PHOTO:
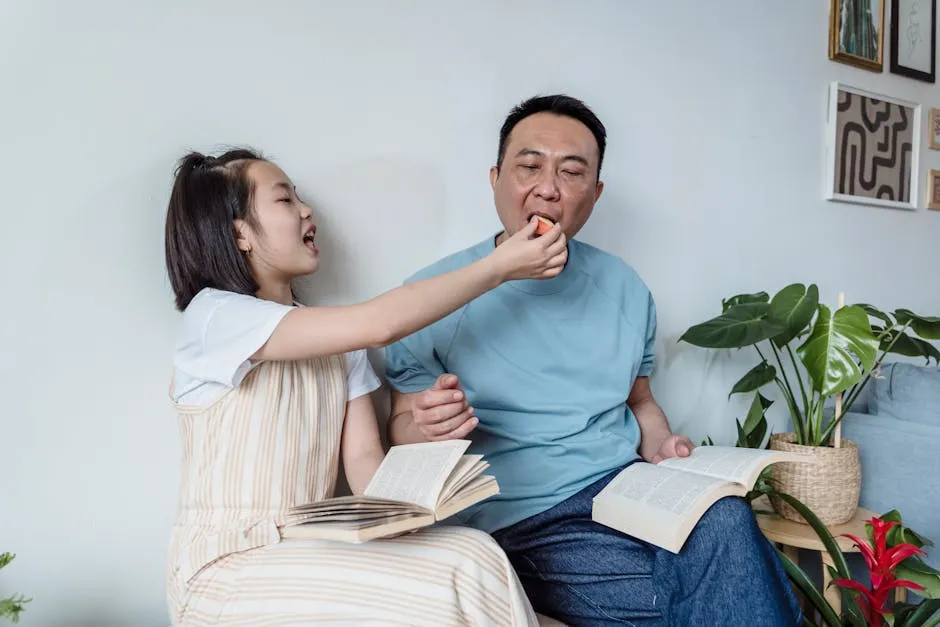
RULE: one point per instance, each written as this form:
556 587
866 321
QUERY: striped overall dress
274 442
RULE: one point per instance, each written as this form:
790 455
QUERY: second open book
415 486
661 503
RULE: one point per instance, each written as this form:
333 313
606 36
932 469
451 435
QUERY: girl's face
279 241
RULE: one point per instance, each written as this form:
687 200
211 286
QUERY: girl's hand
527 256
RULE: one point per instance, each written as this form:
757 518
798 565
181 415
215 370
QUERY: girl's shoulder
213 304
210 298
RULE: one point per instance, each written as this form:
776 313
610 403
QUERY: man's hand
672 445
441 412
657 441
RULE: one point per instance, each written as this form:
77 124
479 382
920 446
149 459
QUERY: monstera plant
837 350
812 353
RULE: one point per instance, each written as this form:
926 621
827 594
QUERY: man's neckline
569 274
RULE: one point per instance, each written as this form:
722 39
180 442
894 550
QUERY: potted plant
892 557
10 608
814 354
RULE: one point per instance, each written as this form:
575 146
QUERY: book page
731 463
479 489
349 503
657 504
356 516
663 488
469 467
357 531
416 473
346 509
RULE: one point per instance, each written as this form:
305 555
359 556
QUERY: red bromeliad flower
881 562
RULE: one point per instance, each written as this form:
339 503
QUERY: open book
661 503
415 486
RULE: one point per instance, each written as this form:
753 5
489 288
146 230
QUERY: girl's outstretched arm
308 332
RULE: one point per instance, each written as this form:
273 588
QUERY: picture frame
933 189
872 148
856 33
933 129
914 39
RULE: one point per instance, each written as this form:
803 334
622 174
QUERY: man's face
549 169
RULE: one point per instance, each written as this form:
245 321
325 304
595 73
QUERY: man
550 381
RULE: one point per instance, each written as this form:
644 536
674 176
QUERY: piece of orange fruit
545 225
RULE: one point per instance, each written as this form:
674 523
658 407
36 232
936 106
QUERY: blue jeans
583 573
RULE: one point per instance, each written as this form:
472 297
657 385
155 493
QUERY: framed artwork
933 189
934 129
873 147
856 33
914 39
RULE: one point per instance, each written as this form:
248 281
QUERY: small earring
248 251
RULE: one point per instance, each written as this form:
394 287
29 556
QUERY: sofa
896 425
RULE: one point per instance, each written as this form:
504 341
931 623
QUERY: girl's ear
241 231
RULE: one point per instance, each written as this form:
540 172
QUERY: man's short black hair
559 104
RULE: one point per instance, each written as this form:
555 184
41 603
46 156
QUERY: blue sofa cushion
906 392
899 464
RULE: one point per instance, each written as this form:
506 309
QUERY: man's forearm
402 429
654 427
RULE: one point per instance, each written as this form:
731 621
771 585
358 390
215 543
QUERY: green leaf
742 436
757 377
793 307
12 607
934 620
756 412
917 615
756 437
928 350
741 299
752 432
767 446
831 350
742 325
903 344
825 536
927 327
899 533
876 313
806 586
765 402
918 571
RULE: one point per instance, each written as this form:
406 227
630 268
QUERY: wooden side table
793 536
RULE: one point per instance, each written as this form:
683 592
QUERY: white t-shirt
221 330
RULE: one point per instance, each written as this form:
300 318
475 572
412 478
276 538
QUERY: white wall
388 120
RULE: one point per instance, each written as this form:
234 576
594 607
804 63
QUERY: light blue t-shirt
547 366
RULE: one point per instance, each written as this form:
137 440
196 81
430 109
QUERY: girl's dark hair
209 194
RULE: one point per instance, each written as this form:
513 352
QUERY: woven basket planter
829 488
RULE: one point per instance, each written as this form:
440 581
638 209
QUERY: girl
271 395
